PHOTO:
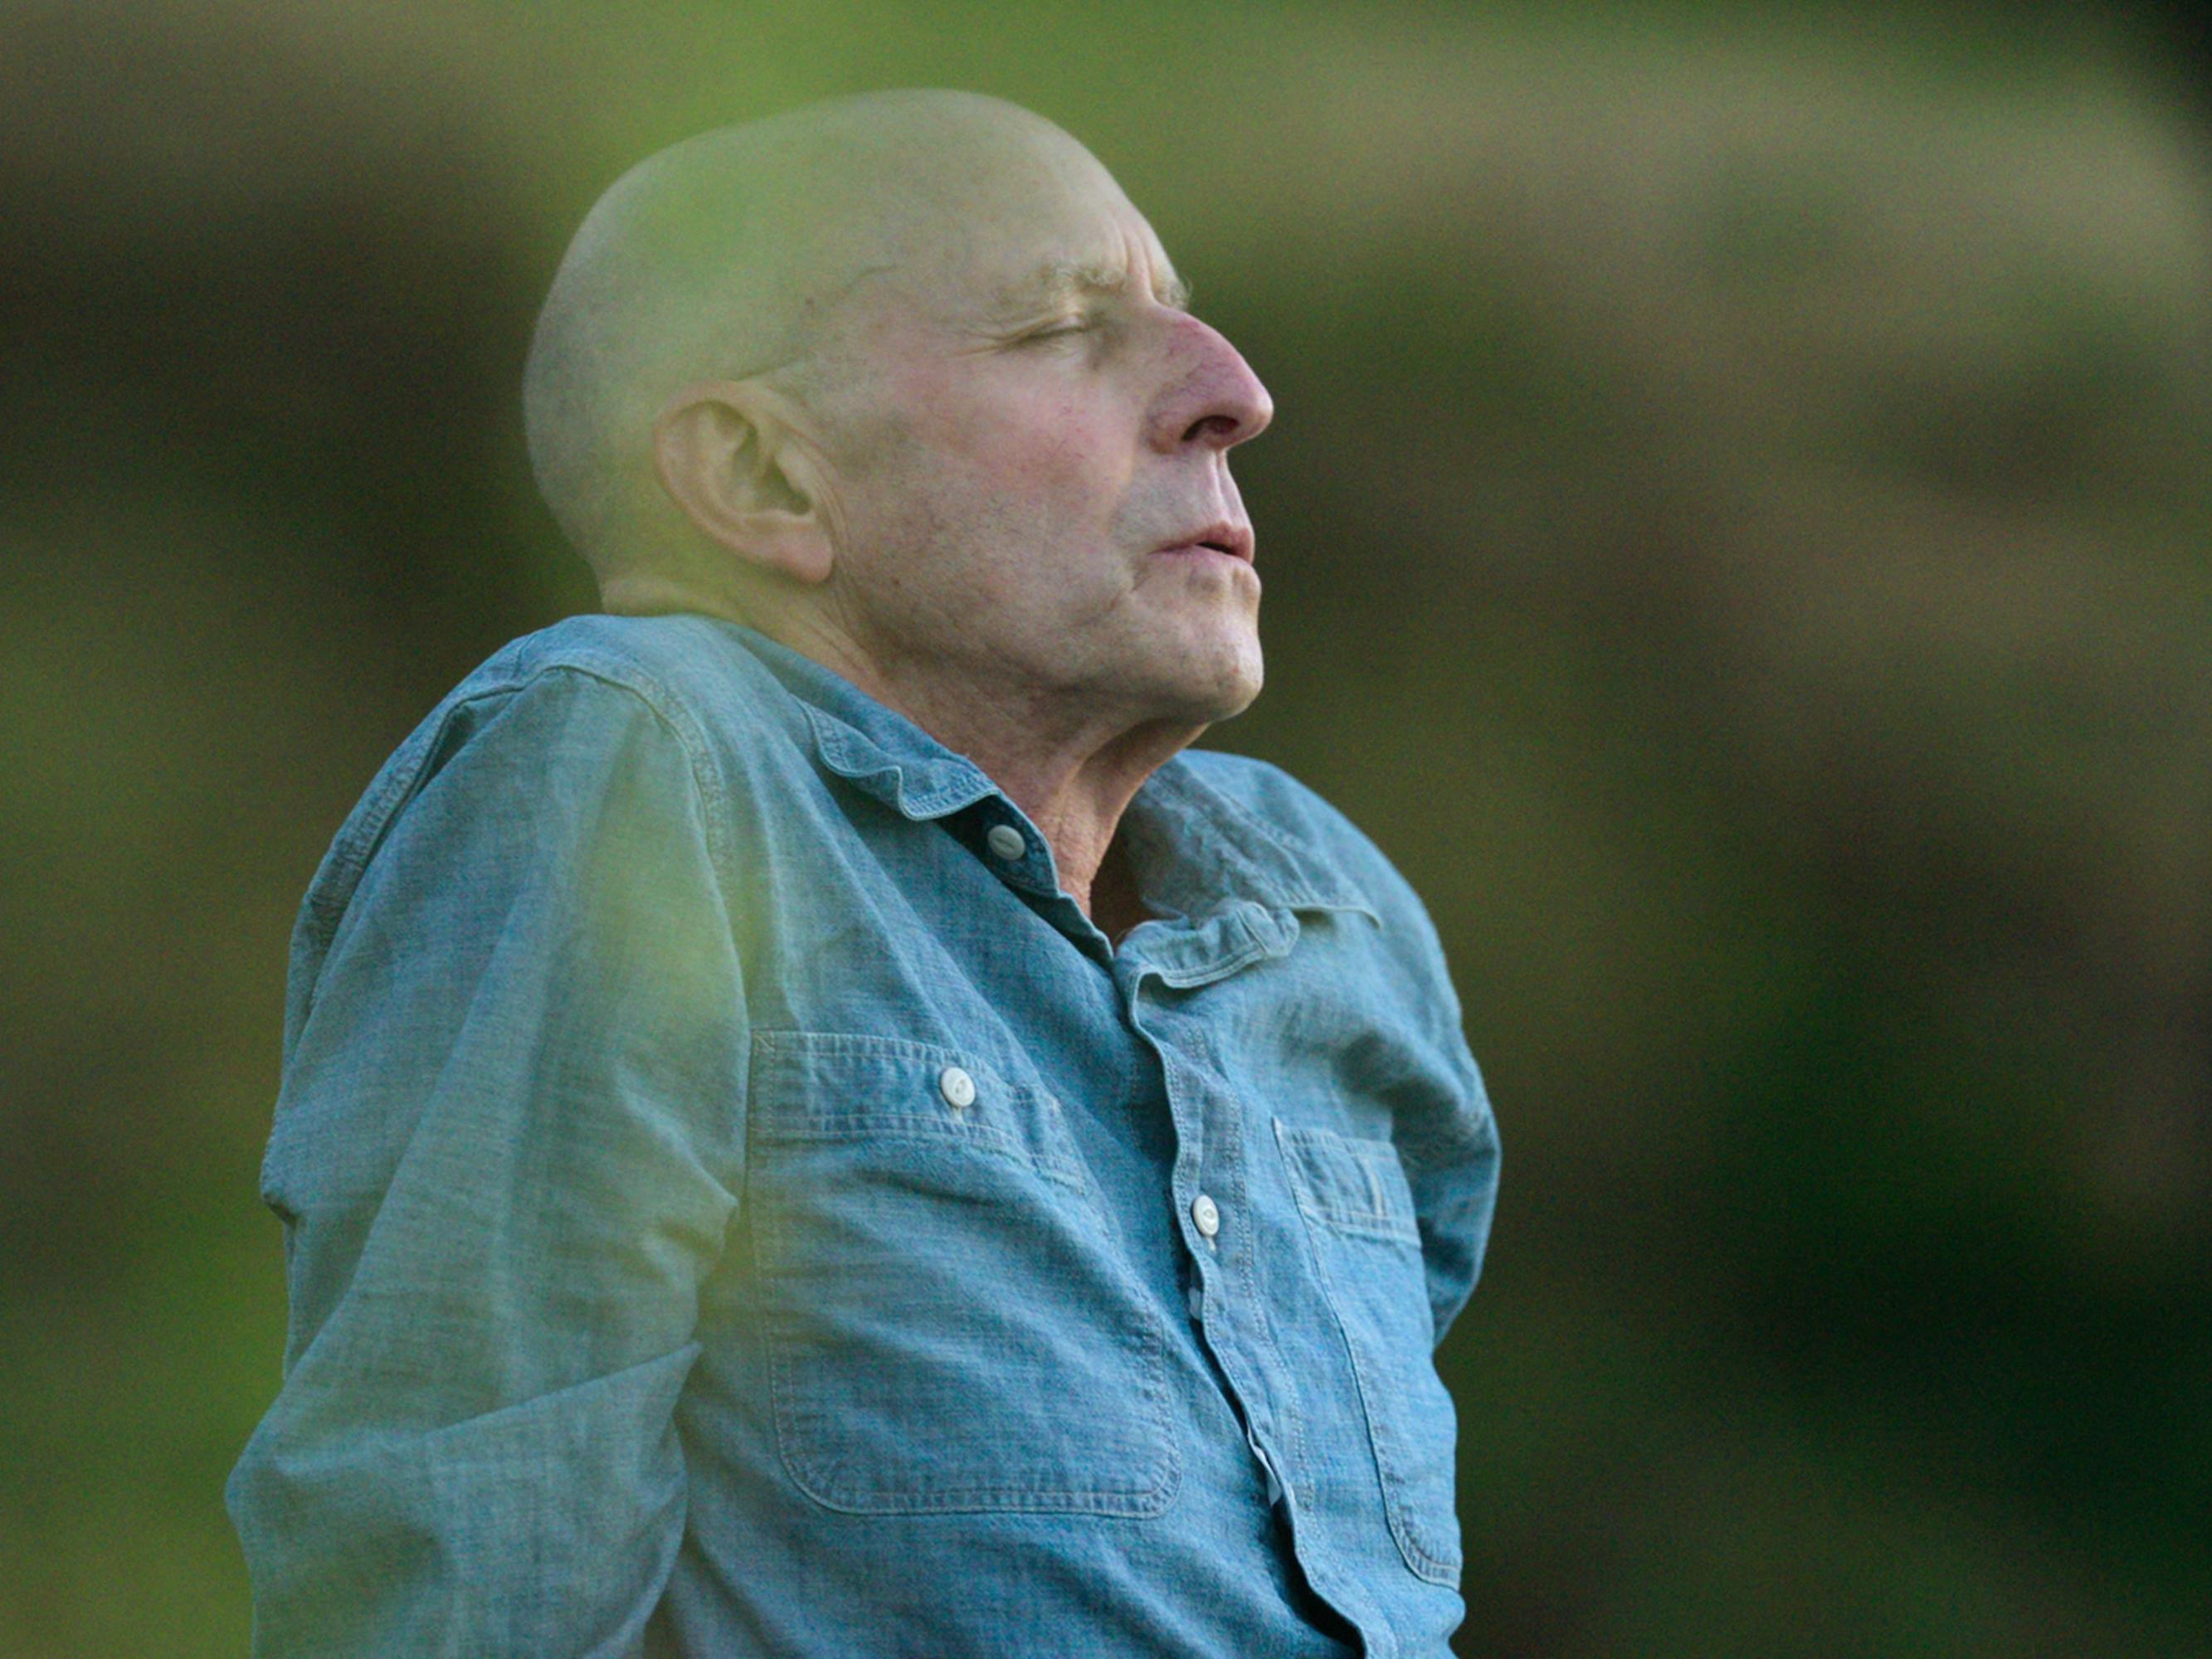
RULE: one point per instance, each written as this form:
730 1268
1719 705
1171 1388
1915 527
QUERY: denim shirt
735 1203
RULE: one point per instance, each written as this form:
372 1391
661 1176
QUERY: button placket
1222 1299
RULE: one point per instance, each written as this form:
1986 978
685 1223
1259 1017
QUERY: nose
1212 397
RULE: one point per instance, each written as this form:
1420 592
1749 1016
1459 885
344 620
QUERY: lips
1233 539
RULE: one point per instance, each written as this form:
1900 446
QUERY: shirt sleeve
1450 1154
1442 1123
505 1155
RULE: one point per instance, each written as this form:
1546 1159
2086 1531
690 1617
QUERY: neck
1075 779
1071 769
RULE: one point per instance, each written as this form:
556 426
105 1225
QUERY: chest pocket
949 1325
1359 1217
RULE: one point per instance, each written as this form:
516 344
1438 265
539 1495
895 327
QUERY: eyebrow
1058 279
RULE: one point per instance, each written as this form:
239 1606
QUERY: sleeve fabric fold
507 1150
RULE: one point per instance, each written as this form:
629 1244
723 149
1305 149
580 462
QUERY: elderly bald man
811 1124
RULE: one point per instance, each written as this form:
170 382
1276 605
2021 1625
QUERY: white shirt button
1005 842
1204 1212
957 1088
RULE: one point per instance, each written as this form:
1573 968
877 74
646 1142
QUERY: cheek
1071 465
1041 437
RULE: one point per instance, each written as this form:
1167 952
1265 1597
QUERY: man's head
905 379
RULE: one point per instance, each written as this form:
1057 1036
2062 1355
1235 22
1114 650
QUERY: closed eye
1061 330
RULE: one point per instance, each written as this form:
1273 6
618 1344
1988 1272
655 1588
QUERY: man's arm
1450 1155
505 1153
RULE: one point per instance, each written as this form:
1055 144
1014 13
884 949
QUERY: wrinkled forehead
1010 228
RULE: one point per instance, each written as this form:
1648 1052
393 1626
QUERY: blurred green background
1737 530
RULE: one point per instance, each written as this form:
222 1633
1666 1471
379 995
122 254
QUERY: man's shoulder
1265 787
1294 811
593 680
590 704
690 671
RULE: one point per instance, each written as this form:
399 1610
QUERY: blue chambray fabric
735 1204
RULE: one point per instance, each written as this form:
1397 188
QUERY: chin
1207 690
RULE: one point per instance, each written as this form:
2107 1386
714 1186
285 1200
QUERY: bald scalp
729 256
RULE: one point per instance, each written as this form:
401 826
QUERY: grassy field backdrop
1737 530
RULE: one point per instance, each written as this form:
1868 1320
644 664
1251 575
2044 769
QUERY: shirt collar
1182 823
879 749
1207 847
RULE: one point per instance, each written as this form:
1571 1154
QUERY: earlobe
736 470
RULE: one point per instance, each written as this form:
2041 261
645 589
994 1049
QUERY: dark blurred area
1737 529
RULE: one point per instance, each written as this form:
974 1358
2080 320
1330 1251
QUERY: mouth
1226 540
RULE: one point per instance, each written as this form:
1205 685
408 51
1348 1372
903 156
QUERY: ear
728 455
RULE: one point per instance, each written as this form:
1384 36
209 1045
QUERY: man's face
1033 483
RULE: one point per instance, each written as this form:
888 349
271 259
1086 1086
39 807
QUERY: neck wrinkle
1074 787
1074 774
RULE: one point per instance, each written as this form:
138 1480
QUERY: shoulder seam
681 725
365 826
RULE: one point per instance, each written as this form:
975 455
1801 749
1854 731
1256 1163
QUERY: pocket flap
839 1085
1356 1186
